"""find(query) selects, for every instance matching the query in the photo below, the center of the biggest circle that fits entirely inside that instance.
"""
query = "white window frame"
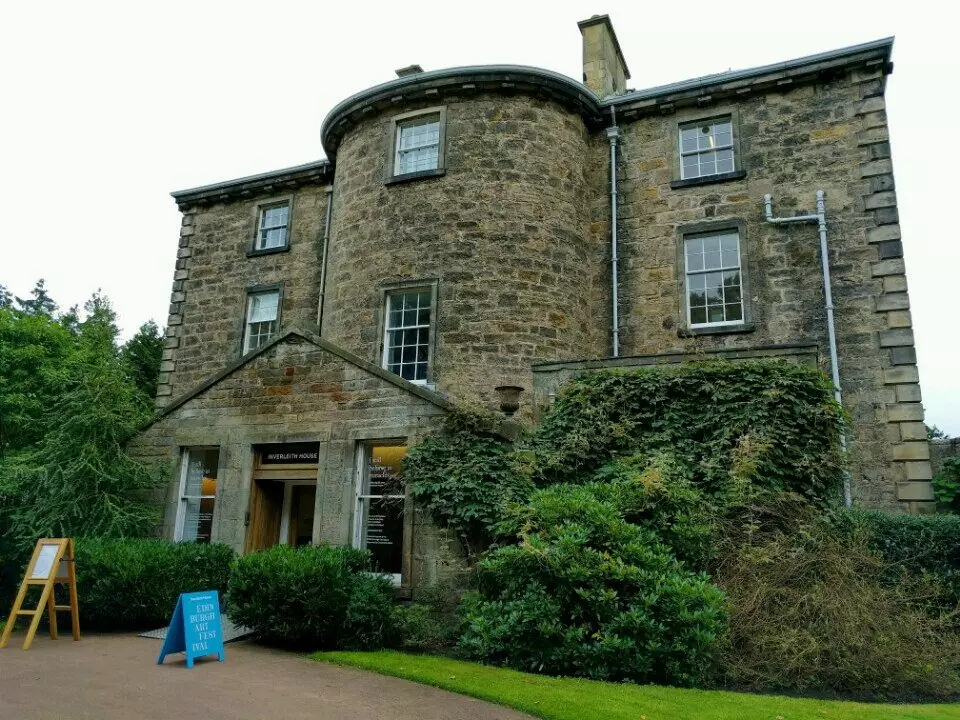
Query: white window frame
(712, 149)
(364, 448)
(182, 497)
(387, 329)
(416, 122)
(262, 228)
(688, 273)
(247, 334)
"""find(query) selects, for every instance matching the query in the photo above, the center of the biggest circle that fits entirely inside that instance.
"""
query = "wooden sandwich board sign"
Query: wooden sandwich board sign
(195, 627)
(52, 562)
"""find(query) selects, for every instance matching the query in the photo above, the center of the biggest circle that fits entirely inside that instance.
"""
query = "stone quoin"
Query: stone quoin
(457, 239)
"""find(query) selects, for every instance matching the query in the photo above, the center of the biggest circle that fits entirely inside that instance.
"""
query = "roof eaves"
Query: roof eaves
(876, 49)
(229, 189)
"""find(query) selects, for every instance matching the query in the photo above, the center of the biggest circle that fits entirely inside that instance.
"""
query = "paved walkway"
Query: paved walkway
(109, 677)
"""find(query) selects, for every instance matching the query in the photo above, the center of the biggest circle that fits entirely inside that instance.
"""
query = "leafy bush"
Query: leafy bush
(320, 598)
(432, 622)
(655, 493)
(946, 484)
(703, 413)
(134, 584)
(464, 477)
(813, 609)
(587, 593)
(921, 545)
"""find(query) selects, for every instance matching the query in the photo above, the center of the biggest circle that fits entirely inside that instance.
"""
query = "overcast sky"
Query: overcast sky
(110, 106)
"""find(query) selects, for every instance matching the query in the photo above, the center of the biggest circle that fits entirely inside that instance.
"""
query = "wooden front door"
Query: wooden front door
(266, 509)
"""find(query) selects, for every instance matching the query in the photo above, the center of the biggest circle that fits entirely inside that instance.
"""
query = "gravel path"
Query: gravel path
(109, 677)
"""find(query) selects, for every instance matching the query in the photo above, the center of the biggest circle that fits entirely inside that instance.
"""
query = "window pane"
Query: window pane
(697, 282)
(698, 315)
(199, 494)
(715, 314)
(698, 298)
(734, 311)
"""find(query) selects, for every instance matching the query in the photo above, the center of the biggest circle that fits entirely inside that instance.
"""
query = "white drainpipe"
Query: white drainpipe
(324, 253)
(821, 219)
(613, 132)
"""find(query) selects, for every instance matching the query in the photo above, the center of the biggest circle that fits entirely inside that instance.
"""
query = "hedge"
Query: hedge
(132, 584)
(319, 598)
(919, 544)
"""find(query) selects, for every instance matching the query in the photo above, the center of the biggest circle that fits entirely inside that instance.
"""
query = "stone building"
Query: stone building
(465, 232)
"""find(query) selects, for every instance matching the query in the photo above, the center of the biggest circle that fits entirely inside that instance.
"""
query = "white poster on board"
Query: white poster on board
(48, 553)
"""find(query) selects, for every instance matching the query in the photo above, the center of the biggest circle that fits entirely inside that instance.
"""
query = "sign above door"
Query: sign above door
(303, 453)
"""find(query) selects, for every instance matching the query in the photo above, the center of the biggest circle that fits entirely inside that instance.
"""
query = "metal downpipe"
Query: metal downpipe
(613, 133)
(821, 219)
(323, 253)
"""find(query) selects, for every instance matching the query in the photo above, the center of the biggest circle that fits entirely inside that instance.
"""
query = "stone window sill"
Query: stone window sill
(268, 251)
(709, 179)
(685, 332)
(408, 177)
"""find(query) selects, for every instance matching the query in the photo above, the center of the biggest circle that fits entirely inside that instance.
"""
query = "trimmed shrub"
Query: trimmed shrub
(921, 545)
(813, 609)
(133, 584)
(704, 414)
(314, 598)
(587, 593)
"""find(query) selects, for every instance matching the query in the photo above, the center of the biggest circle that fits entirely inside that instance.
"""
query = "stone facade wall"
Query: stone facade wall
(829, 136)
(212, 276)
(507, 232)
(941, 450)
(298, 392)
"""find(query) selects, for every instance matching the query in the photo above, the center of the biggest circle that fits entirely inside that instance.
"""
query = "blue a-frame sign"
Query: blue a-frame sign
(195, 627)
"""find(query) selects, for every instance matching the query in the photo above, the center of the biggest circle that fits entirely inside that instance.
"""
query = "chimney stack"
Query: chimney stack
(604, 69)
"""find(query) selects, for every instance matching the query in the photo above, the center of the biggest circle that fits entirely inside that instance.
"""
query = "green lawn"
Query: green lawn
(573, 699)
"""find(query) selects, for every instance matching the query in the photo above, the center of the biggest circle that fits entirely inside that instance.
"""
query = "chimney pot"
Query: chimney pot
(409, 70)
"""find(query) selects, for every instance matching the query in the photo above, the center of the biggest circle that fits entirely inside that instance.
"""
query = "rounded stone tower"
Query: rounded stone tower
(473, 188)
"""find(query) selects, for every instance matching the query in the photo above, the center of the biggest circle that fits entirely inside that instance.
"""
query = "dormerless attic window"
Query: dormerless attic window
(706, 148)
(273, 226)
(417, 145)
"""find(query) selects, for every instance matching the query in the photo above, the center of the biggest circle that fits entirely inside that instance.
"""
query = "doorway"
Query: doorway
(283, 495)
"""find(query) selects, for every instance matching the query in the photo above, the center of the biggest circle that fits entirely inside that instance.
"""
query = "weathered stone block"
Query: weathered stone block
(915, 491)
(918, 470)
(900, 375)
(886, 216)
(908, 393)
(893, 301)
(913, 431)
(896, 338)
(883, 233)
(895, 284)
(887, 267)
(911, 451)
(903, 356)
(899, 319)
(905, 412)
(890, 249)
(873, 104)
(876, 167)
(880, 200)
